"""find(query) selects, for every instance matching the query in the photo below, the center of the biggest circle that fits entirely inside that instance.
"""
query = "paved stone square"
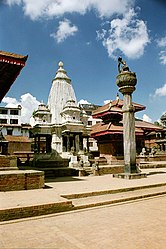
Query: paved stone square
(134, 225)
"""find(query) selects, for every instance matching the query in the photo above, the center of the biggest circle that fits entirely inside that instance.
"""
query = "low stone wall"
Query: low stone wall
(21, 180)
(32, 211)
(103, 170)
(8, 162)
(111, 170)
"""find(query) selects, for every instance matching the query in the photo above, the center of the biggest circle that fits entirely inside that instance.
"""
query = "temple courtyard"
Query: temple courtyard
(87, 212)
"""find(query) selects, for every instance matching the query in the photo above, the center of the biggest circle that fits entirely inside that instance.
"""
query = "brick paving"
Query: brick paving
(20, 204)
(134, 225)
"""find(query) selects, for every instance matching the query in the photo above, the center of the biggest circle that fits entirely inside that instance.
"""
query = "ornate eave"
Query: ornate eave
(10, 67)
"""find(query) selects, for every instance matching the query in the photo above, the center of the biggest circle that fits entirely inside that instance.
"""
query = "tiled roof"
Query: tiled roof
(103, 129)
(147, 126)
(22, 139)
(10, 67)
(16, 56)
(115, 105)
(140, 128)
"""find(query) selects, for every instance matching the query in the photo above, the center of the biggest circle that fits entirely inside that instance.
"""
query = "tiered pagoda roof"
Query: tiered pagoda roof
(112, 114)
(114, 106)
(10, 67)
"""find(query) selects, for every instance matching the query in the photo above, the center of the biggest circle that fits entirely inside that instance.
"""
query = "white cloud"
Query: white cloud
(146, 118)
(65, 30)
(127, 35)
(162, 54)
(160, 91)
(107, 101)
(162, 42)
(162, 57)
(53, 8)
(10, 102)
(28, 104)
(83, 101)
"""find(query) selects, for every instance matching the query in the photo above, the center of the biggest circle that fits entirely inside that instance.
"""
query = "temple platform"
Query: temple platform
(13, 180)
(72, 193)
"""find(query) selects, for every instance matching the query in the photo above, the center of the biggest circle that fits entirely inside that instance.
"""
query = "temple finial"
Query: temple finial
(60, 64)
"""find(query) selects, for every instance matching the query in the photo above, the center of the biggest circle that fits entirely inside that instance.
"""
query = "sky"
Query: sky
(88, 36)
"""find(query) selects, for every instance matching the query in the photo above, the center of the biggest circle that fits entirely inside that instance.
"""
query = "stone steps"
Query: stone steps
(111, 197)
(41, 202)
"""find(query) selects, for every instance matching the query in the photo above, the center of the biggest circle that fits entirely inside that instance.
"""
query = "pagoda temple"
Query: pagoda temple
(109, 133)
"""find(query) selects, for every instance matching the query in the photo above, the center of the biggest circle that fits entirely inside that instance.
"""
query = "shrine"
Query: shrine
(60, 127)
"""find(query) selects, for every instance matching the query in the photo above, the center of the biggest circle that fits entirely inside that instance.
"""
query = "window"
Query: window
(89, 122)
(9, 132)
(3, 111)
(3, 121)
(14, 112)
(13, 121)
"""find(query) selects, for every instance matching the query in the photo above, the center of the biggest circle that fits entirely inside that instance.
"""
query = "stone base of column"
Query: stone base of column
(130, 176)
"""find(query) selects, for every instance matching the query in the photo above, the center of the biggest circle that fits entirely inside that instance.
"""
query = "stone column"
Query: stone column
(77, 142)
(87, 144)
(129, 135)
(68, 142)
(48, 144)
(81, 142)
(38, 144)
(126, 81)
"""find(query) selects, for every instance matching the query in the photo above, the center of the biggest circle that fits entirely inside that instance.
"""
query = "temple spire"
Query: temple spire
(61, 73)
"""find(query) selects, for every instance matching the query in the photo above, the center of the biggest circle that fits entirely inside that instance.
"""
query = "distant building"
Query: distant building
(10, 121)
(89, 109)
(14, 133)
(158, 139)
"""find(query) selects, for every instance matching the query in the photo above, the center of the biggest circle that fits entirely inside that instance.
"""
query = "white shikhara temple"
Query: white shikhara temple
(61, 126)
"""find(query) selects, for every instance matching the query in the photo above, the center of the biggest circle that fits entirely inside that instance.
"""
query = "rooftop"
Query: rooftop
(10, 67)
